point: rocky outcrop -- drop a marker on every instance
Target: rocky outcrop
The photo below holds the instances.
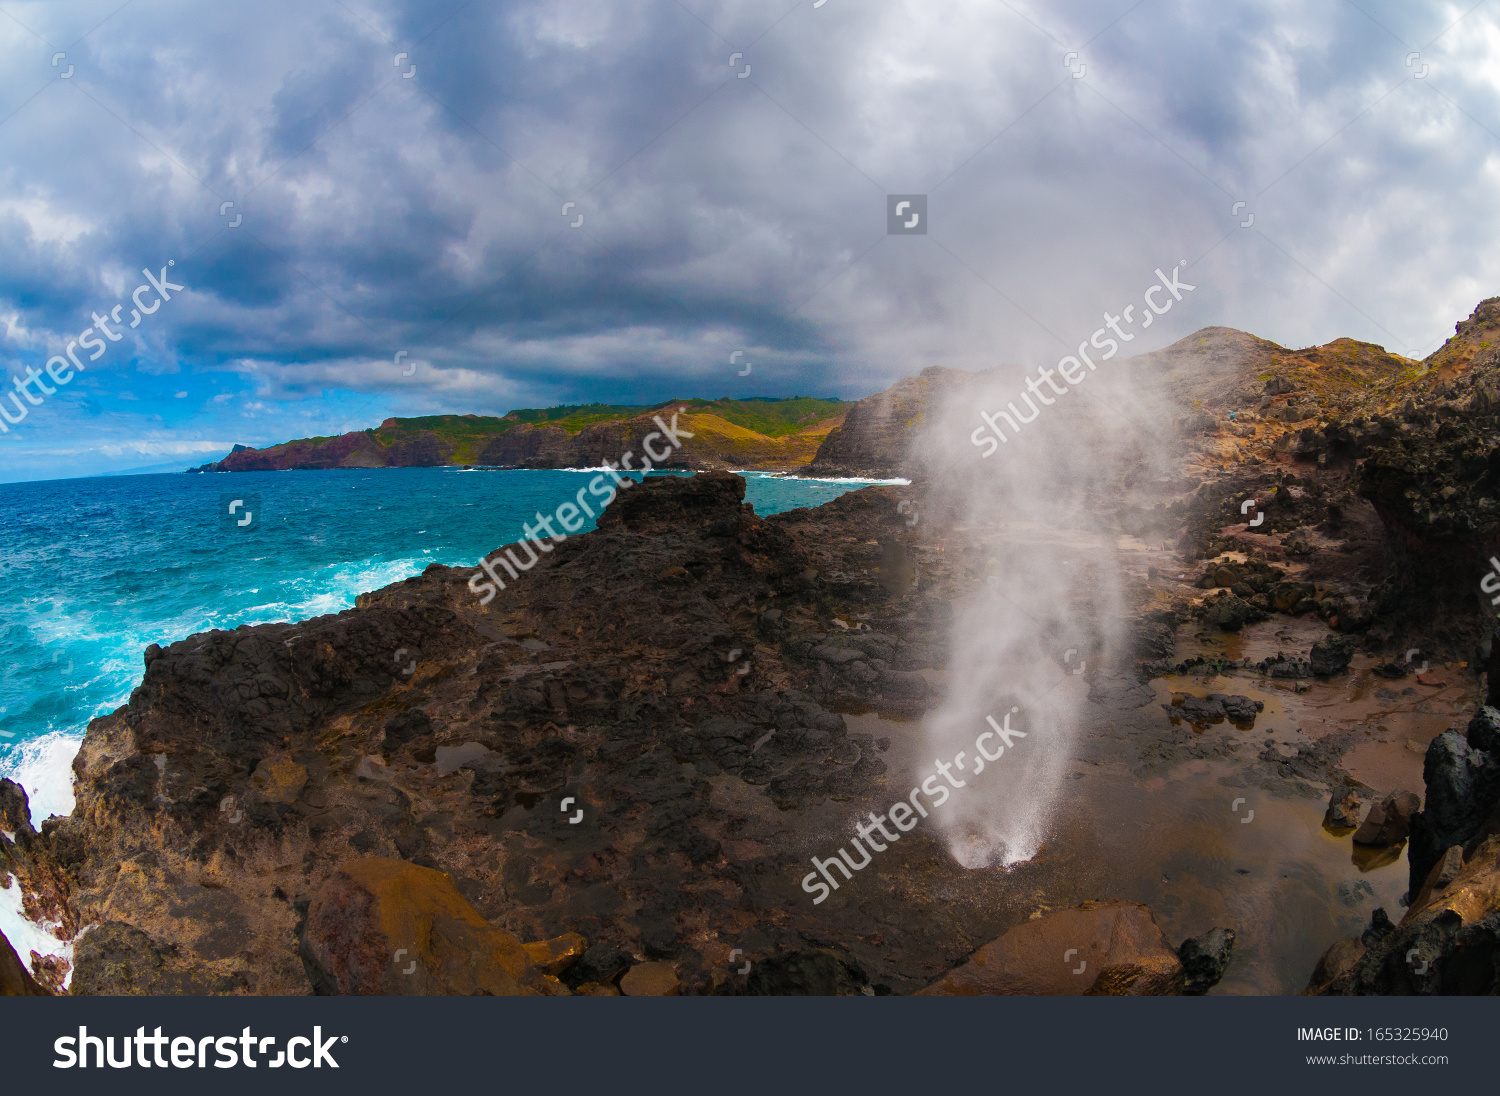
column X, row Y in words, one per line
column 1446, row 944
column 1462, row 774
column 27, row 865
column 1389, row 820
column 1108, row 949
column 1205, row 959
column 116, row 959
column 877, row 434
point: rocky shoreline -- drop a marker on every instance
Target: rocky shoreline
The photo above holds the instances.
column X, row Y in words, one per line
column 230, row 815
column 611, row 779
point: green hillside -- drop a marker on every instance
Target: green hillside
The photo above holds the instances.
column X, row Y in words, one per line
column 774, row 418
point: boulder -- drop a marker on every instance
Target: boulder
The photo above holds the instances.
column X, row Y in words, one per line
column 1240, row 709
column 599, row 965
column 1335, row 969
column 1231, row 614
column 650, row 980
column 558, row 954
column 1343, row 809
column 1330, row 655
column 1445, row 944
column 1214, row 708
column 1228, row 574
column 1112, row 949
column 1285, row 596
column 15, row 979
column 1204, row 960
column 1462, row 773
column 1389, row 820
column 388, row 927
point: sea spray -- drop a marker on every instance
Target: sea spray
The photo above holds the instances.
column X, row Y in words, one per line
column 1044, row 598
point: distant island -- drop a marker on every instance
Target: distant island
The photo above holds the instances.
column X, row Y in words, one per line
column 760, row 433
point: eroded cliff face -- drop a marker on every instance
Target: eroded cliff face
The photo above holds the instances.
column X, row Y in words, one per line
column 878, row 434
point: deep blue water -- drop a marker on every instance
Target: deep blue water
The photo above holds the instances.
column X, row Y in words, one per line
column 95, row 570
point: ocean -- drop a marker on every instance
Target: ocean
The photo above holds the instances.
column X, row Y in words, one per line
column 96, row 570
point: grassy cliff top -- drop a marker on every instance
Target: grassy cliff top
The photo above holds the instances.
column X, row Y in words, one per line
column 773, row 418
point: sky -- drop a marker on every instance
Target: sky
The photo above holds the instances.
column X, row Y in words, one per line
column 380, row 209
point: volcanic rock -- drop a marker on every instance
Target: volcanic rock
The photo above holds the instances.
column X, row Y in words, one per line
column 1389, row 820
column 1240, row 709
column 1214, row 708
column 1330, row 655
column 1444, row 945
column 1343, row 809
column 1229, row 613
column 15, row 979
column 558, row 954
column 24, row 857
column 650, row 980
column 1444, row 872
column 1112, row 949
column 387, row 927
column 1462, row 773
column 1204, row 960
column 808, row 973
column 1335, row 969
column 114, row 959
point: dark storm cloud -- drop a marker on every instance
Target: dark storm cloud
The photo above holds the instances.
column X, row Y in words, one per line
column 380, row 213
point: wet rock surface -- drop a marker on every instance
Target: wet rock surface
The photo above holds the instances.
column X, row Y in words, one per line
column 1343, row 809
column 1462, row 774
column 1214, row 708
column 1444, row 945
column 1389, row 820
column 1108, row 949
column 1205, row 959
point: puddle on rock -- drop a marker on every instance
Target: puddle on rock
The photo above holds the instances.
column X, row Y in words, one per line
column 1198, row 843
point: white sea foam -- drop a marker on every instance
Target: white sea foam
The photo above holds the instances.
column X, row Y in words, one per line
column 27, row 936
column 853, row 479
column 44, row 767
